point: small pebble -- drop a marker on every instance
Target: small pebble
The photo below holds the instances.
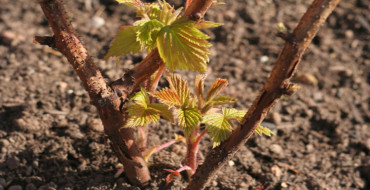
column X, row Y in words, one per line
column 284, row 185
column 97, row 22
column 275, row 148
column 95, row 124
column 276, row 171
column 264, row 59
column 231, row 163
column 214, row 183
column 308, row 79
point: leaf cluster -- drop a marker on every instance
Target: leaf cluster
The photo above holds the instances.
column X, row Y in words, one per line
column 180, row 43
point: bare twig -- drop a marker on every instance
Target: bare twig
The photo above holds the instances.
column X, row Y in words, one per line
column 277, row 85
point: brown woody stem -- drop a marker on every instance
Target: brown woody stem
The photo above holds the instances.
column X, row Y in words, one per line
column 108, row 104
column 276, row 85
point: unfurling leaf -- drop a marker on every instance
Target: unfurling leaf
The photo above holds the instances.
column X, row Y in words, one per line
column 261, row 130
column 147, row 31
column 220, row 100
column 215, row 89
column 168, row 14
column 233, row 114
column 218, row 126
column 199, row 85
column 203, row 24
column 168, row 96
column 182, row 46
column 180, row 86
column 124, row 42
column 189, row 118
column 142, row 112
column 163, row 110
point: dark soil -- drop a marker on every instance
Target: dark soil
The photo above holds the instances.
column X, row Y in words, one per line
column 52, row 138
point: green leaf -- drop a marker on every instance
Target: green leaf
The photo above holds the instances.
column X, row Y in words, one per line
column 180, row 86
column 154, row 11
column 124, row 42
column 264, row 130
column 148, row 116
column 182, row 46
column 233, row 114
column 168, row 14
column 143, row 113
column 147, row 31
column 203, row 24
column 216, row 88
column 218, row 126
column 163, row 110
column 189, row 118
column 220, row 100
column 168, row 96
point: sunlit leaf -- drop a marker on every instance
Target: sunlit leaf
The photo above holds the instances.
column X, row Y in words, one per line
column 233, row 114
column 220, row 100
column 168, row 14
column 216, row 88
column 218, row 126
column 203, row 24
column 188, row 118
column 147, row 31
column 124, row 42
column 182, row 46
column 163, row 110
column 147, row 117
column 180, row 86
column 168, row 96
column 142, row 112
column 141, row 98
column 261, row 130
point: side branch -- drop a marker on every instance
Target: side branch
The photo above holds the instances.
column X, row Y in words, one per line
column 276, row 85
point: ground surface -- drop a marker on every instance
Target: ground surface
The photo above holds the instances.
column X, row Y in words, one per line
column 51, row 137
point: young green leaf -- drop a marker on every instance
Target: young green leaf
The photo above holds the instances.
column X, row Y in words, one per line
column 218, row 126
column 189, row 118
column 261, row 130
column 163, row 110
column 199, row 85
column 180, row 86
column 124, row 42
column 233, row 114
column 216, row 88
column 168, row 14
column 168, row 96
column 142, row 112
column 147, row 31
column 220, row 100
column 182, row 46
column 203, row 24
